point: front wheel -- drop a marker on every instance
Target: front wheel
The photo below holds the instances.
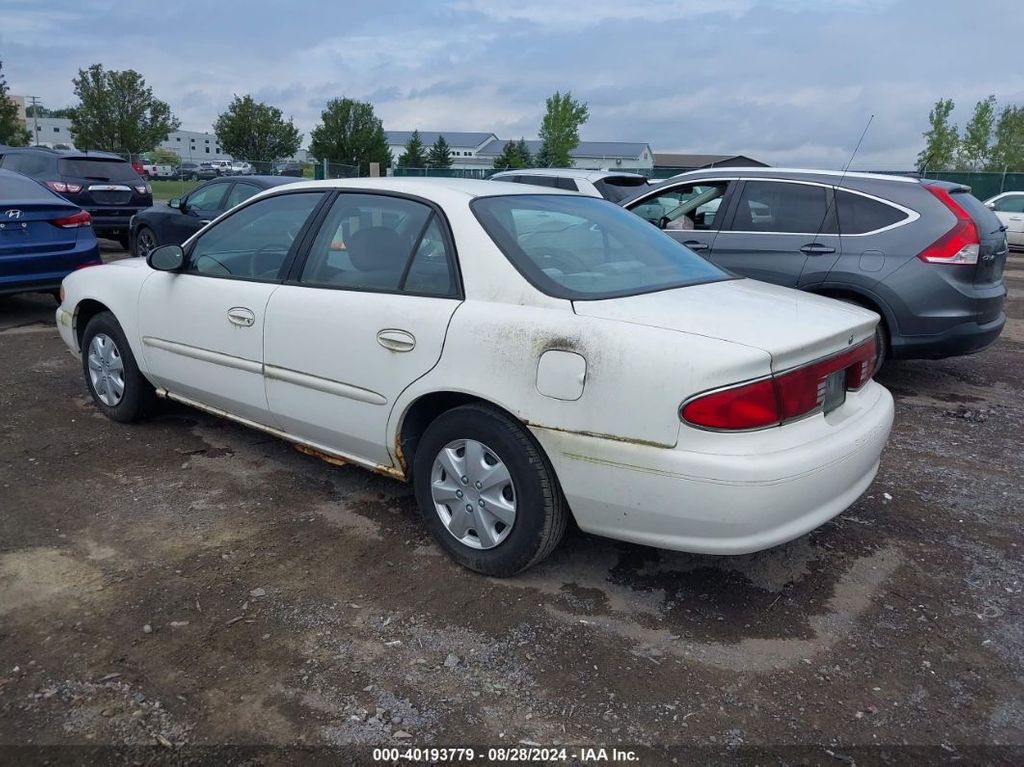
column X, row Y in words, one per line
column 487, row 492
column 111, row 373
column 145, row 241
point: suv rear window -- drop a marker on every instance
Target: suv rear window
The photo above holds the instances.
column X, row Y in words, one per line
column 587, row 248
column 97, row 169
column 618, row 188
column 859, row 214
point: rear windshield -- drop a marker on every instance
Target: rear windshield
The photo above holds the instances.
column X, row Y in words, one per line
column 97, row 169
column 587, row 248
column 618, row 188
column 14, row 187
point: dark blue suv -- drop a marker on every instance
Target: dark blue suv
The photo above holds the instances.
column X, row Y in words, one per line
column 103, row 184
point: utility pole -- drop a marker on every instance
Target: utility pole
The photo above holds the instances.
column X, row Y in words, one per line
column 35, row 119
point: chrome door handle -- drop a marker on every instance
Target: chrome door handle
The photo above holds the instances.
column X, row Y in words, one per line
column 396, row 340
column 695, row 245
column 239, row 315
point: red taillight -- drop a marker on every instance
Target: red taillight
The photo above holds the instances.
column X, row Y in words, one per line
column 81, row 218
column 749, row 406
column 57, row 186
column 960, row 245
column 780, row 398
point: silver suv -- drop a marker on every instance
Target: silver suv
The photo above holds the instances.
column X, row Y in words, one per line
column 925, row 255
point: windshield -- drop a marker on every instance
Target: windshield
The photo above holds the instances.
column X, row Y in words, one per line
column 587, row 248
column 97, row 169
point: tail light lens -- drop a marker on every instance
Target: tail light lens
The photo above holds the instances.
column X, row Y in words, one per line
column 781, row 398
column 143, row 188
column 60, row 187
column 81, row 218
column 960, row 245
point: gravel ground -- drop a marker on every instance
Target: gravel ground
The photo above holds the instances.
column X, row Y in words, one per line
column 186, row 582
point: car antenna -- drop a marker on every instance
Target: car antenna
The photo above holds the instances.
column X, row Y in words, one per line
column 831, row 202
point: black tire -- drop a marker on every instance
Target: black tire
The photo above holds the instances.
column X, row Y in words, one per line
column 141, row 234
column 541, row 510
column 139, row 398
column 124, row 240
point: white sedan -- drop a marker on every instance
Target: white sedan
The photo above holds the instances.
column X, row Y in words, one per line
column 1009, row 208
column 519, row 354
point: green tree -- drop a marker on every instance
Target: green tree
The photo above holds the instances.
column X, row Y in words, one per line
column 350, row 133
column 560, row 129
column 254, row 131
column 116, row 110
column 12, row 132
column 440, row 154
column 941, row 140
column 975, row 142
column 514, row 155
column 414, row 155
column 1008, row 149
column 162, row 156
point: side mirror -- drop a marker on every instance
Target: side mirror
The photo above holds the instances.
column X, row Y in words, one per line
column 990, row 205
column 166, row 258
column 174, row 202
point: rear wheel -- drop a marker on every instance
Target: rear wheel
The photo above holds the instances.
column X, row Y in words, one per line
column 111, row 373
column 487, row 492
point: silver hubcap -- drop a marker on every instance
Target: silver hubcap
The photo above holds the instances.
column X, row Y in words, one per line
column 145, row 243
column 106, row 369
column 473, row 494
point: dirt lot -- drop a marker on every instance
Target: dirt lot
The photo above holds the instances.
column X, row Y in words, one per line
column 186, row 581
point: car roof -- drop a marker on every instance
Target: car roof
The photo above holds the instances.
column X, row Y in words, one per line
column 769, row 172
column 430, row 186
column 589, row 175
column 67, row 154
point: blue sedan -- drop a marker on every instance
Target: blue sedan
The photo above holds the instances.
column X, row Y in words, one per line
column 43, row 237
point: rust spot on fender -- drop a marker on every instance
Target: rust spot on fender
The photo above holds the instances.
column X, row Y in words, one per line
column 599, row 435
column 402, row 470
column 319, row 454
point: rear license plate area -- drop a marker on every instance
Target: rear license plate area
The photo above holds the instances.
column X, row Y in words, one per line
column 835, row 390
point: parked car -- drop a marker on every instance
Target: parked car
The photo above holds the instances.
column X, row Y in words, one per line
column 287, row 168
column 180, row 218
column 194, row 171
column 43, row 237
column 925, row 255
column 152, row 170
column 101, row 183
column 241, row 168
column 596, row 183
column 223, row 167
column 515, row 376
column 1009, row 209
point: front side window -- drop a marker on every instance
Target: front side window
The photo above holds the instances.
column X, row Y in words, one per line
column 380, row 243
column 784, row 208
column 239, row 194
column 691, row 206
column 253, row 243
column 587, row 248
column 207, row 198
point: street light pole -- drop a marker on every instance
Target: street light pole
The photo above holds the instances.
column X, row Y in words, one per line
column 35, row 118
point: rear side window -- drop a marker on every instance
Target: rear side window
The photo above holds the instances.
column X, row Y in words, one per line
column 568, row 184
column 551, row 181
column 379, row 243
column 618, row 188
column 784, row 208
column 576, row 247
column 34, row 164
column 97, row 169
column 859, row 214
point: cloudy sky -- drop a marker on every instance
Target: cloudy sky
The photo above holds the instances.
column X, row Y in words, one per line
column 785, row 81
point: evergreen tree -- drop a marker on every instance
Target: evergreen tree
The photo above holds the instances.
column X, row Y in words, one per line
column 413, row 156
column 440, row 155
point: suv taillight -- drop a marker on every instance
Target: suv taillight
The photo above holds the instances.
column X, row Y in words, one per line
column 60, row 187
column 81, row 218
column 961, row 244
column 781, row 398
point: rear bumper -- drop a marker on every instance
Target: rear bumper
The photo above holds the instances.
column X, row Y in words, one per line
column 105, row 223
column 44, row 272
column 965, row 338
column 761, row 490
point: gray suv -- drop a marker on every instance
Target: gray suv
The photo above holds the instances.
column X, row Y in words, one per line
column 925, row 255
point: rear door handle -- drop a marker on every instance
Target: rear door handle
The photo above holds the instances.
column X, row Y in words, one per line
column 239, row 315
column 695, row 245
column 814, row 249
column 396, row 340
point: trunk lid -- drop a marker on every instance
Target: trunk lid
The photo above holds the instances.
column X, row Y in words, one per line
column 793, row 327
column 27, row 227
